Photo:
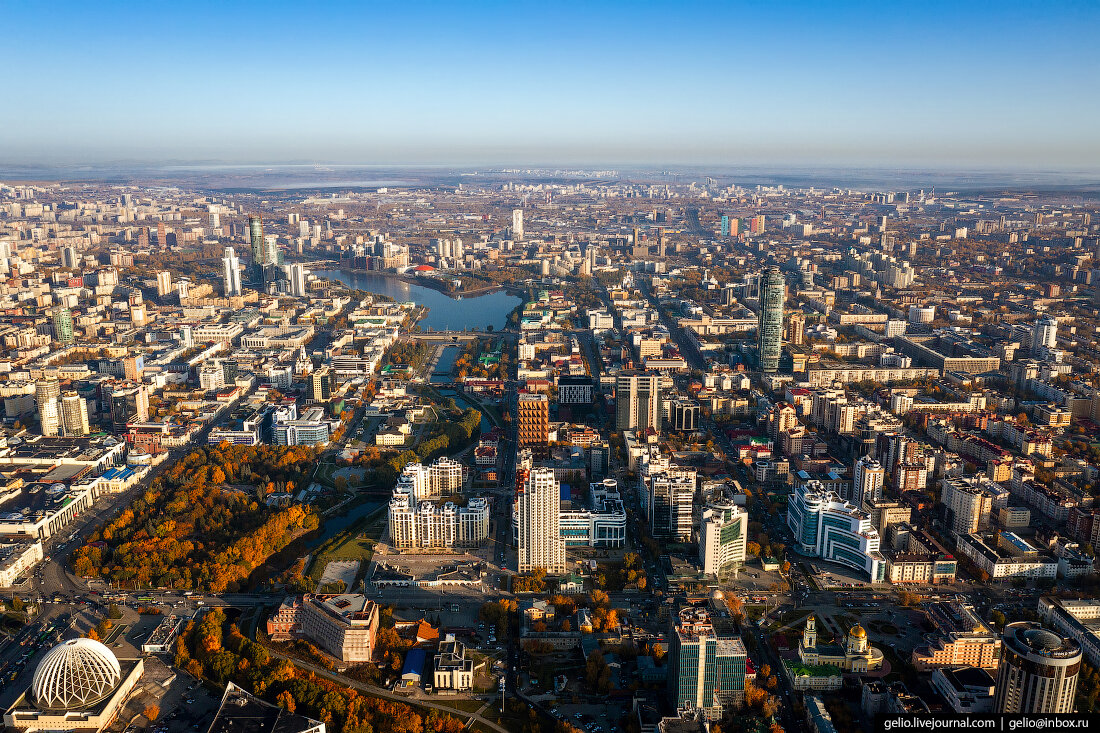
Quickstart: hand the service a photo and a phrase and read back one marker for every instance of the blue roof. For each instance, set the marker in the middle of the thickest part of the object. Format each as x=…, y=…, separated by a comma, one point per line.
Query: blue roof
x=414, y=662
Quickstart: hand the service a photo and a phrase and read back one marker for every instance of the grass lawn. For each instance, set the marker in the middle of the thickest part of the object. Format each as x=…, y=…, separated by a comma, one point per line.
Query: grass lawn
x=355, y=543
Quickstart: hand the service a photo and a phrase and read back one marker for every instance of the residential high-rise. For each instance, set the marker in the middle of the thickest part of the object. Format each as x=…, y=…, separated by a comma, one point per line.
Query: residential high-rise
x=62, y=324
x=47, y=392
x=231, y=276
x=868, y=479
x=1044, y=334
x=1038, y=671
x=769, y=332
x=187, y=336
x=74, y=414
x=967, y=503
x=533, y=413
x=723, y=536
x=638, y=401
x=68, y=257
x=297, y=280
x=707, y=663
x=517, y=224
x=796, y=328
x=669, y=503
x=256, y=238
x=540, y=542
x=164, y=283
x=756, y=224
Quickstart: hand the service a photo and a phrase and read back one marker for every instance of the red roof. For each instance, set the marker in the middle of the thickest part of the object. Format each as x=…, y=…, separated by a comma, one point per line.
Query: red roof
x=423, y=268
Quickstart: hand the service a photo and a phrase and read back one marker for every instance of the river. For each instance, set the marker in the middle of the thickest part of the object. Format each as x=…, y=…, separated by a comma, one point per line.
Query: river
x=446, y=313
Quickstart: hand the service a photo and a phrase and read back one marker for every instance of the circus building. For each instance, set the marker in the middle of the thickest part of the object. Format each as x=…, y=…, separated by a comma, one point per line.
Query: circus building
x=78, y=686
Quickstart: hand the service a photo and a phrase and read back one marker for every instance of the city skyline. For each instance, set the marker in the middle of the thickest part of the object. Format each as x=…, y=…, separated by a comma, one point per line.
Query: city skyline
x=1003, y=86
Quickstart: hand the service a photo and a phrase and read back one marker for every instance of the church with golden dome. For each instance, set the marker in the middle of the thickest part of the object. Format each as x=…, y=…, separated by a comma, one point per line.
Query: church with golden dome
x=855, y=656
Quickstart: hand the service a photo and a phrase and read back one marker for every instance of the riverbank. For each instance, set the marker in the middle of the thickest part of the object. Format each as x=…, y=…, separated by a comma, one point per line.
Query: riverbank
x=435, y=283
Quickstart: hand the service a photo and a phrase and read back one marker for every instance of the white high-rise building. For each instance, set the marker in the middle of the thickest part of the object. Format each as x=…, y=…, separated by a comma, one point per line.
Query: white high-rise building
x=297, y=280
x=867, y=481
x=187, y=337
x=1044, y=334
x=540, y=542
x=723, y=536
x=74, y=414
x=232, y=274
x=517, y=225
x=164, y=283
x=47, y=392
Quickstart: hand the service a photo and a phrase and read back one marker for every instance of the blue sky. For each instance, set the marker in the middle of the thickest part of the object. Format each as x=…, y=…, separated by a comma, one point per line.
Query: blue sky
x=1004, y=84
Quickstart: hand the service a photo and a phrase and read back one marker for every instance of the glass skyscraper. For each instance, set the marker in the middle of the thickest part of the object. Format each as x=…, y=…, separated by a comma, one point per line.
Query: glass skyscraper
x=708, y=661
x=769, y=332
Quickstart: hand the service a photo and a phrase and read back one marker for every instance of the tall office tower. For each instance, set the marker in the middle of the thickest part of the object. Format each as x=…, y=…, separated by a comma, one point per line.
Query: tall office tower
x=62, y=324
x=164, y=283
x=670, y=503
x=231, y=277
x=590, y=255
x=796, y=328
x=321, y=383
x=1038, y=671
x=756, y=224
x=723, y=536
x=517, y=224
x=540, y=542
x=162, y=234
x=769, y=329
x=638, y=401
x=533, y=419
x=297, y=280
x=68, y=257
x=129, y=402
x=1044, y=334
x=256, y=239
x=271, y=255
x=707, y=663
x=47, y=392
x=187, y=337
x=74, y=414
x=867, y=482
x=725, y=230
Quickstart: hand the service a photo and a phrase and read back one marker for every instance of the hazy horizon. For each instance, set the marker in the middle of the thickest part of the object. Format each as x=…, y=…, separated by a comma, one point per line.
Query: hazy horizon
x=1005, y=85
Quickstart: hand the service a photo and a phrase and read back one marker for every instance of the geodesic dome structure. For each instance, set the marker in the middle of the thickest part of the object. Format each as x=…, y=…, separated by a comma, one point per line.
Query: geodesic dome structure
x=75, y=674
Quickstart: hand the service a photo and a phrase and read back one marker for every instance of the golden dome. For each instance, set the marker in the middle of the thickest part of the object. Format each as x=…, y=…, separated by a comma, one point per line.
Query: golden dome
x=858, y=632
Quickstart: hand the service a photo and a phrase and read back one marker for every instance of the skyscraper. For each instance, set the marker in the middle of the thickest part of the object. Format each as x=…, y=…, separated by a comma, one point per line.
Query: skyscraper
x=62, y=324
x=298, y=280
x=540, y=542
x=1044, y=335
x=796, y=328
x=637, y=401
x=68, y=257
x=517, y=224
x=46, y=394
x=164, y=283
x=129, y=402
x=707, y=663
x=231, y=278
x=756, y=224
x=321, y=383
x=256, y=239
x=868, y=479
x=1038, y=671
x=74, y=414
x=723, y=535
x=769, y=330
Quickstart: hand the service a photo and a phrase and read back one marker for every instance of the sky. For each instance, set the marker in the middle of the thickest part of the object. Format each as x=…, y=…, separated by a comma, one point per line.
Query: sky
x=951, y=84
